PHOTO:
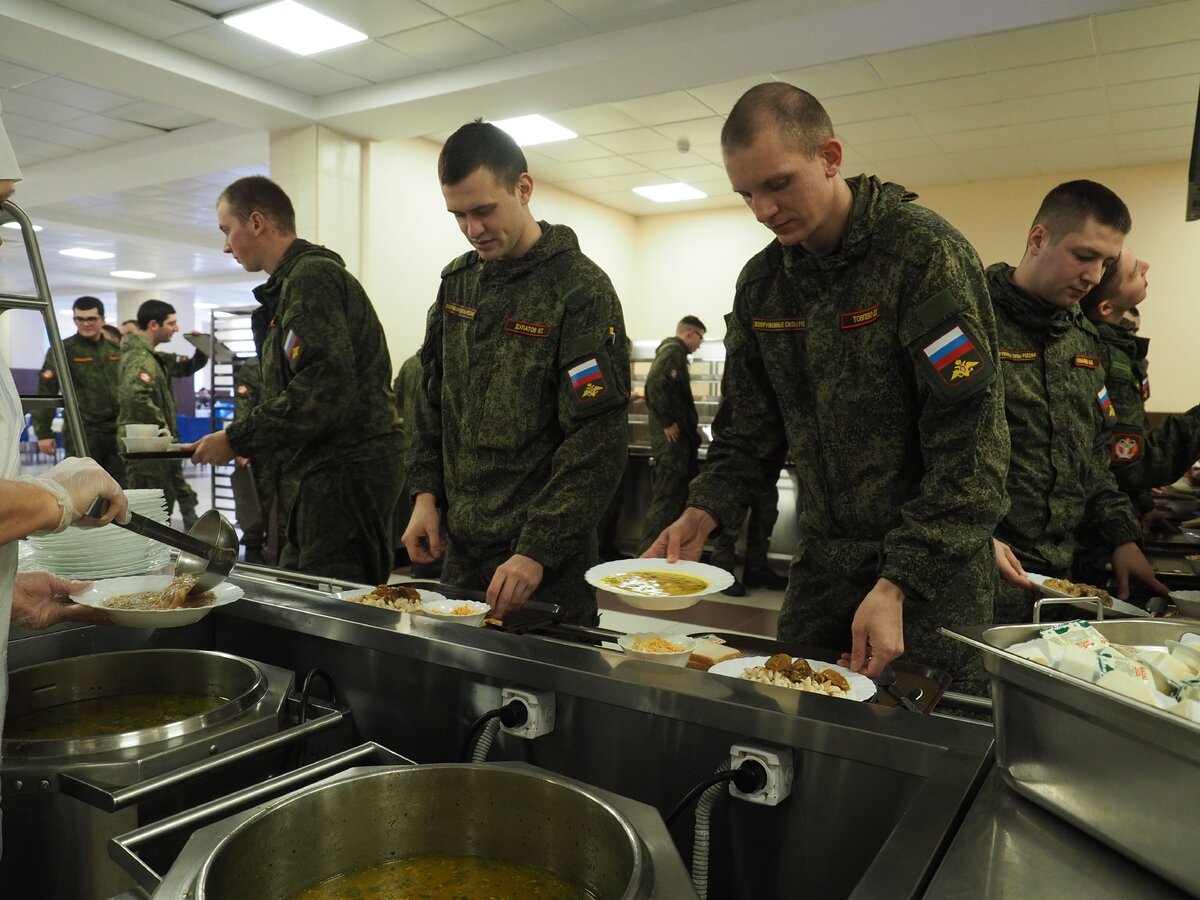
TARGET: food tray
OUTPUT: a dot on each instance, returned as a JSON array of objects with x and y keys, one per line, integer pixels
[{"x": 1111, "y": 766}]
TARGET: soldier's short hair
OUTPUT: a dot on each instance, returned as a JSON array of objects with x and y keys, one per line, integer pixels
[
  {"x": 257, "y": 193},
  {"x": 153, "y": 311},
  {"x": 113, "y": 332},
  {"x": 88, "y": 302},
  {"x": 481, "y": 145},
  {"x": 1104, "y": 288},
  {"x": 689, "y": 322},
  {"x": 1066, "y": 208},
  {"x": 802, "y": 121}
]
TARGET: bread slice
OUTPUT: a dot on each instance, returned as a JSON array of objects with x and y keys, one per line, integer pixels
[{"x": 709, "y": 653}]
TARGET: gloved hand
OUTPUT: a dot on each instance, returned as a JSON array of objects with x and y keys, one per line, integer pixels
[{"x": 75, "y": 484}]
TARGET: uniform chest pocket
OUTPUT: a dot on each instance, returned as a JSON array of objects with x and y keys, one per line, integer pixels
[{"x": 521, "y": 397}]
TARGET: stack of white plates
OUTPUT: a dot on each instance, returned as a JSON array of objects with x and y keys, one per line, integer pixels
[{"x": 108, "y": 552}]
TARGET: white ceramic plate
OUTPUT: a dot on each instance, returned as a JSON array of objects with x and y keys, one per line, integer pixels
[
  {"x": 716, "y": 580},
  {"x": 423, "y": 595},
  {"x": 151, "y": 618},
  {"x": 861, "y": 687},
  {"x": 1119, "y": 609}
]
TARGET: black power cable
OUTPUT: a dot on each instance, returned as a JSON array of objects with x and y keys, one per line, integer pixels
[
  {"x": 749, "y": 777},
  {"x": 511, "y": 715}
]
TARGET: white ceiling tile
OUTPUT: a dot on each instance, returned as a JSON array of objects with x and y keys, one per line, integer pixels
[
  {"x": 151, "y": 18},
  {"x": 709, "y": 152},
  {"x": 980, "y": 139},
  {"x": 990, "y": 165},
  {"x": 1154, "y": 117},
  {"x": 949, "y": 59},
  {"x": 64, "y": 135},
  {"x": 610, "y": 165},
  {"x": 963, "y": 118},
  {"x": 589, "y": 186},
  {"x": 569, "y": 151},
  {"x": 552, "y": 172},
  {"x": 860, "y": 107},
  {"x": 42, "y": 149},
  {"x": 13, "y": 76},
  {"x": 659, "y": 109},
  {"x": 636, "y": 179},
  {"x": 1179, "y": 138},
  {"x": 964, "y": 91},
  {"x": 311, "y": 77},
  {"x": 526, "y": 24},
  {"x": 1030, "y": 46},
  {"x": 155, "y": 115},
  {"x": 1072, "y": 156},
  {"x": 916, "y": 171},
  {"x": 18, "y": 103},
  {"x": 1151, "y": 62},
  {"x": 1180, "y": 89},
  {"x": 637, "y": 140},
  {"x": 892, "y": 128},
  {"x": 444, "y": 45},
  {"x": 227, "y": 46},
  {"x": 696, "y": 174},
  {"x": 697, "y": 131},
  {"x": 372, "y": 60},
  {"x": 721, "y": 97},
  {"x": 597, "y": 119},
  {"x": 605, "y": 15},
  {"x": 74, "y": 94},
  {"x": 658, "y": 159},
  {"x": 376, "y": 18},
  {"x": 1143, "y": 156},
  {"x": 1064, "y": 105},
  {"x": 850, "y": 76},
  {"x": 114, "y": 129},
  {"x": 886, "y": 151},
  {"x": 461, "y": 7},
  {"x": 1066, "y": 129},
  {"x": 1165, "y": 24},
  {"x": 1048, "y": 78}
]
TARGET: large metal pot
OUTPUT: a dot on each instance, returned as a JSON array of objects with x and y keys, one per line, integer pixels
[{"x": 384, "y": 814}]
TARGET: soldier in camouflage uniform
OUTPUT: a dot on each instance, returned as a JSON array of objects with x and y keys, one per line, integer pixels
[
  {"x": 147, "y": 396},
  {"x": 521, "y": 427},
  {"x": 253, "y": 481},
  {"x": 1059, "y": 411},
  {"x": 406, "y": 387},
  {"x": 94, "y": 368},
  {"x": 674, "y": 427},
  {"x": 861, "y": 339},
  {"x": 1142, "y": 458},
  {"x": 327, "y": 414}
]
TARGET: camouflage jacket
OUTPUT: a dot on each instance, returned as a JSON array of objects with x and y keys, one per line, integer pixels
[
  {"x": 247, "y": 388},
  {"x": 326, "y": 374},
  {"x": 1142, "y": 458},
  {"x": 1059, "y": 417},
  {"x": 669, "y": 392},
  {"x": 876, "y": 366},
  {"x": 145, "y": 391},
  {"x": 406, "y": 386},
  {"x": 95, "y": 368},
  {"x": 521, "y": 420}
]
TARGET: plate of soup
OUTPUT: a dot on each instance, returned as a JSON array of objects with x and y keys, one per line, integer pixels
[{"x": 656, "y": 584}]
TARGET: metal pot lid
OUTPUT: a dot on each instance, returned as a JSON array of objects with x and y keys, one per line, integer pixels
[{"x": 202, "y": 689}]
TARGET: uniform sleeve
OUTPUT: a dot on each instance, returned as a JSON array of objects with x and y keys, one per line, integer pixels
[
  {"x": 588, "y": 464},
  {"x": 47, "y": 387},
  {"x": 1164, "y": 453},
  {"x": 136, "y": 394},
  {"x": 749, "y": 441},
  {"x": 1108, "y": 508},
  {"x": 424, "y": 459},
  {"x": 182, "y": 366},
  {"x": 321, "y": 357},
  {"x": 662, "y": 387},
  {"x": 962, "y": 430}
]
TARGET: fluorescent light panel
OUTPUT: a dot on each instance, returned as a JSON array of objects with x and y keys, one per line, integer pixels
[
  {"x": 669, "y": 193},
  {"x": 85, "y": 253},
  {"x": 132, "y": 273},
  {"x": 293, "y": 27},
  {"x": 529, "y": 131},
  {"x": 16, "y": 226}
]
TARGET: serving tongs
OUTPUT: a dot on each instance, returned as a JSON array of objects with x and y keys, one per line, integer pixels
[{"x": 208, "y": 550}]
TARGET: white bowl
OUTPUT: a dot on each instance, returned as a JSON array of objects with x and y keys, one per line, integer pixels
[
  {"x": 1193, "y": 560},
  {"x": 445, "y": 610},
  {"x": 627, "y": 644},
  {"x": 146, "y": 444},
  {"x": 1187, "y": 602},
  {"x": 101, "y": 591},
  {"x": 715, "y": 580}
]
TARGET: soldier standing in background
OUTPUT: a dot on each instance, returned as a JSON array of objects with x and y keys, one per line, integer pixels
[
  {"x": 674, "y": 427},
  {"x": 94, "y": 367},
  {"x": 327, "y": 413},
  {"x": 522, "y": 419},
  {"x": 406, "y": 387},
  {"x": 862, "y": 339},
  {"x": 146, "y": 396},
  {"x": 253, "y": 480},
  {"x": 1058, "y": 409}
]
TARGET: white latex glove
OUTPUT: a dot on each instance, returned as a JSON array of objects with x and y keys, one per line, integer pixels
[{"x": 75, "y": 484}]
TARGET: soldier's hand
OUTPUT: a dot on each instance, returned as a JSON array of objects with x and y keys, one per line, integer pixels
[
  {"x": 671, "y": 432},
  {"x": 49, "y": 446},
  {"x": 41, "y": 600},
  {"x": 423, "y": 536},
  {"x": 1010, "y": 567},
  {"x": 1156, "y": 520},
  {"x": 213, "y": 449},
  {"x": 684, "y": 538},
  {"x": 515, "y": 579},
  {"x": 877, "y": 631},
  {"x": 1128, "y": 562}
]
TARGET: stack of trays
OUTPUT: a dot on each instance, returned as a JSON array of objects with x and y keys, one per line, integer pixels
[{"x": 108, "y": 552}]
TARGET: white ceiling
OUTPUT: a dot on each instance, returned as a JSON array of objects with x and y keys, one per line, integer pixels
[{"x": 128, "y": 116}]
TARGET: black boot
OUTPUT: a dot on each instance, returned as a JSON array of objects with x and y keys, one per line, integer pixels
[
  {"x": 737, "y": 589},
  {"x": 764, "y": 577}
]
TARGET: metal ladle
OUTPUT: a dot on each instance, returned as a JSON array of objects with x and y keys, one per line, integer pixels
[{"x": 208, "y": 550}]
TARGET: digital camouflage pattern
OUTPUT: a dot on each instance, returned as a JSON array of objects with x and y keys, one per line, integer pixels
[
  {"x": 521, "y": 425},
  {"x": 763, "y": 505},
  {"x": 1142, "y": 457},
  {"x": 406, "y": 387},
  {"x": 95, "y": 368},
  {"x": 1060, "y": 418},
  {"x": 670, "y": 402},
  {"x": 327, "y": 415},
  {"x": 263, "y": 476},
  {"x": 900, "y": 465},
  {"x": 146, "y": 396}
]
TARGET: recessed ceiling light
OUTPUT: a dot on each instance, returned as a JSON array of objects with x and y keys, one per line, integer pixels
[
  {"x": 16, "y": 226},
  {"x": 85, "y": 253},
  {"x": 669, "y": 193},
  {"x": 293, "y": 27},
  {"x": 530, "y": 130},
  {"x": 132, "y": 273}
]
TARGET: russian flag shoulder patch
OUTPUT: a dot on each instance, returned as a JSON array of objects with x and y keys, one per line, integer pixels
[{"x": 955, "y": 362}]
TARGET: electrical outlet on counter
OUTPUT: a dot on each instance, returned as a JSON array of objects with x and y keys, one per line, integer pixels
[
  {"x": 780, "y": 772},
  {"x": 539, "y": 708}
]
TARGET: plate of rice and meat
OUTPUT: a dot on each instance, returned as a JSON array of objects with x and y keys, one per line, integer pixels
[
  {"x": 799, "y": 674},
  {"x": 156, "y": 601},
  {"x": 1060, "y": 587},
  {"x": 396, "y": 597}
]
